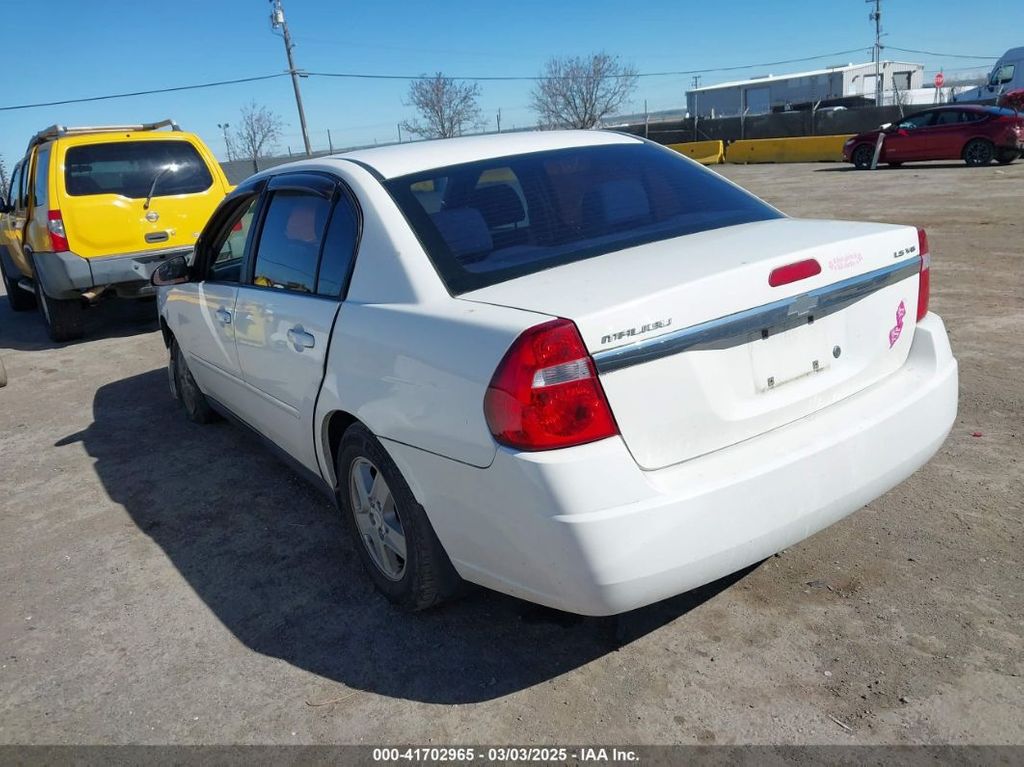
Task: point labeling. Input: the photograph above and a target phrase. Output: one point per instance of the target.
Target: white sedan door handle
(224, 316)
(300, 338)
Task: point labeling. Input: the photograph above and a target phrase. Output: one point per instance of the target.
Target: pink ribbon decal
(894, 334)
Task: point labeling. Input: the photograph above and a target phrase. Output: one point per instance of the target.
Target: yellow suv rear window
(129, 169)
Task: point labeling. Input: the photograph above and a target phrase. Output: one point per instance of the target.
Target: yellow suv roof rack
(58, 131)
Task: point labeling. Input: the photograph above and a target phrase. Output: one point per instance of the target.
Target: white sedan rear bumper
(586, 530)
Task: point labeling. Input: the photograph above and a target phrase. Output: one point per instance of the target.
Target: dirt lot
(164, 582)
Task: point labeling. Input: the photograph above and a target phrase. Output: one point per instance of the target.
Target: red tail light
(924, 284)
(58, 237)
(545, 393)
(800, 270)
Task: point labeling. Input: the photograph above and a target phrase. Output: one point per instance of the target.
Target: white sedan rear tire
(390, 530)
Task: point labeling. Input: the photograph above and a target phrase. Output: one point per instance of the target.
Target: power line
(493, 78)
(109, 96)
(943, 55)
(305, 39)
(535, 78)
(371, 76)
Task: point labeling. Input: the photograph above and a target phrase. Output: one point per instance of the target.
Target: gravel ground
(162, 582)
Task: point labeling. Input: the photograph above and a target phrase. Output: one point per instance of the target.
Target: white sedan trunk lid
(696, 351)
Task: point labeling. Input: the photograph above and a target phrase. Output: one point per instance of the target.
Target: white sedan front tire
(185, 389)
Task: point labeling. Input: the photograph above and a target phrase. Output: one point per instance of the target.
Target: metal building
(832, 85)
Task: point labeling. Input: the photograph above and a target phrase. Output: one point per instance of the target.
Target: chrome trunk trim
(758, 322)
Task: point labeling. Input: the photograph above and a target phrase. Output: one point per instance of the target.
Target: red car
(975, 134)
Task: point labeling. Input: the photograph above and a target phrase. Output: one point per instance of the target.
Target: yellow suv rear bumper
(68, 275)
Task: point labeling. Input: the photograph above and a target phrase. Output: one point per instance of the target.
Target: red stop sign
(939, 80)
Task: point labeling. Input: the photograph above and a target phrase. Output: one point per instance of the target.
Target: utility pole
(499, 120)
(277, 20)
(876, 16)
(695, 83)
(227, 140)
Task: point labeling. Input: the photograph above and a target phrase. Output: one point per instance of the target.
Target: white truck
(1006, 75)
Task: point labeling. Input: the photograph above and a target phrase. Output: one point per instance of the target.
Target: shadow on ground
(112, 318)
(270, 558)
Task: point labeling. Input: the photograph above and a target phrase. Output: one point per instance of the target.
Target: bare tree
(445, 108)
(257, 133)
(5, 178)
(578, 92)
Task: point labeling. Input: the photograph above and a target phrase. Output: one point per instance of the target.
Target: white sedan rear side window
(289, 248)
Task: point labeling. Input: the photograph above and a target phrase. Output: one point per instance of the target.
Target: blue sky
(116, 46)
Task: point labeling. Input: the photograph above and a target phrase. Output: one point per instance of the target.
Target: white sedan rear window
(486, 222)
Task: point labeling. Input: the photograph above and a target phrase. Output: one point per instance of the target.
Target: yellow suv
(93, 211)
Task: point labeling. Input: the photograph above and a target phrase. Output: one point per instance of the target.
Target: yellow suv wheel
(63, 317)
(19, 298)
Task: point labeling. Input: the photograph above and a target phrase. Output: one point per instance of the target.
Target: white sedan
(574, 367)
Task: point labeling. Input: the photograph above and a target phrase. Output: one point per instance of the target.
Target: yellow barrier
(802, 149)
(706, 152)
